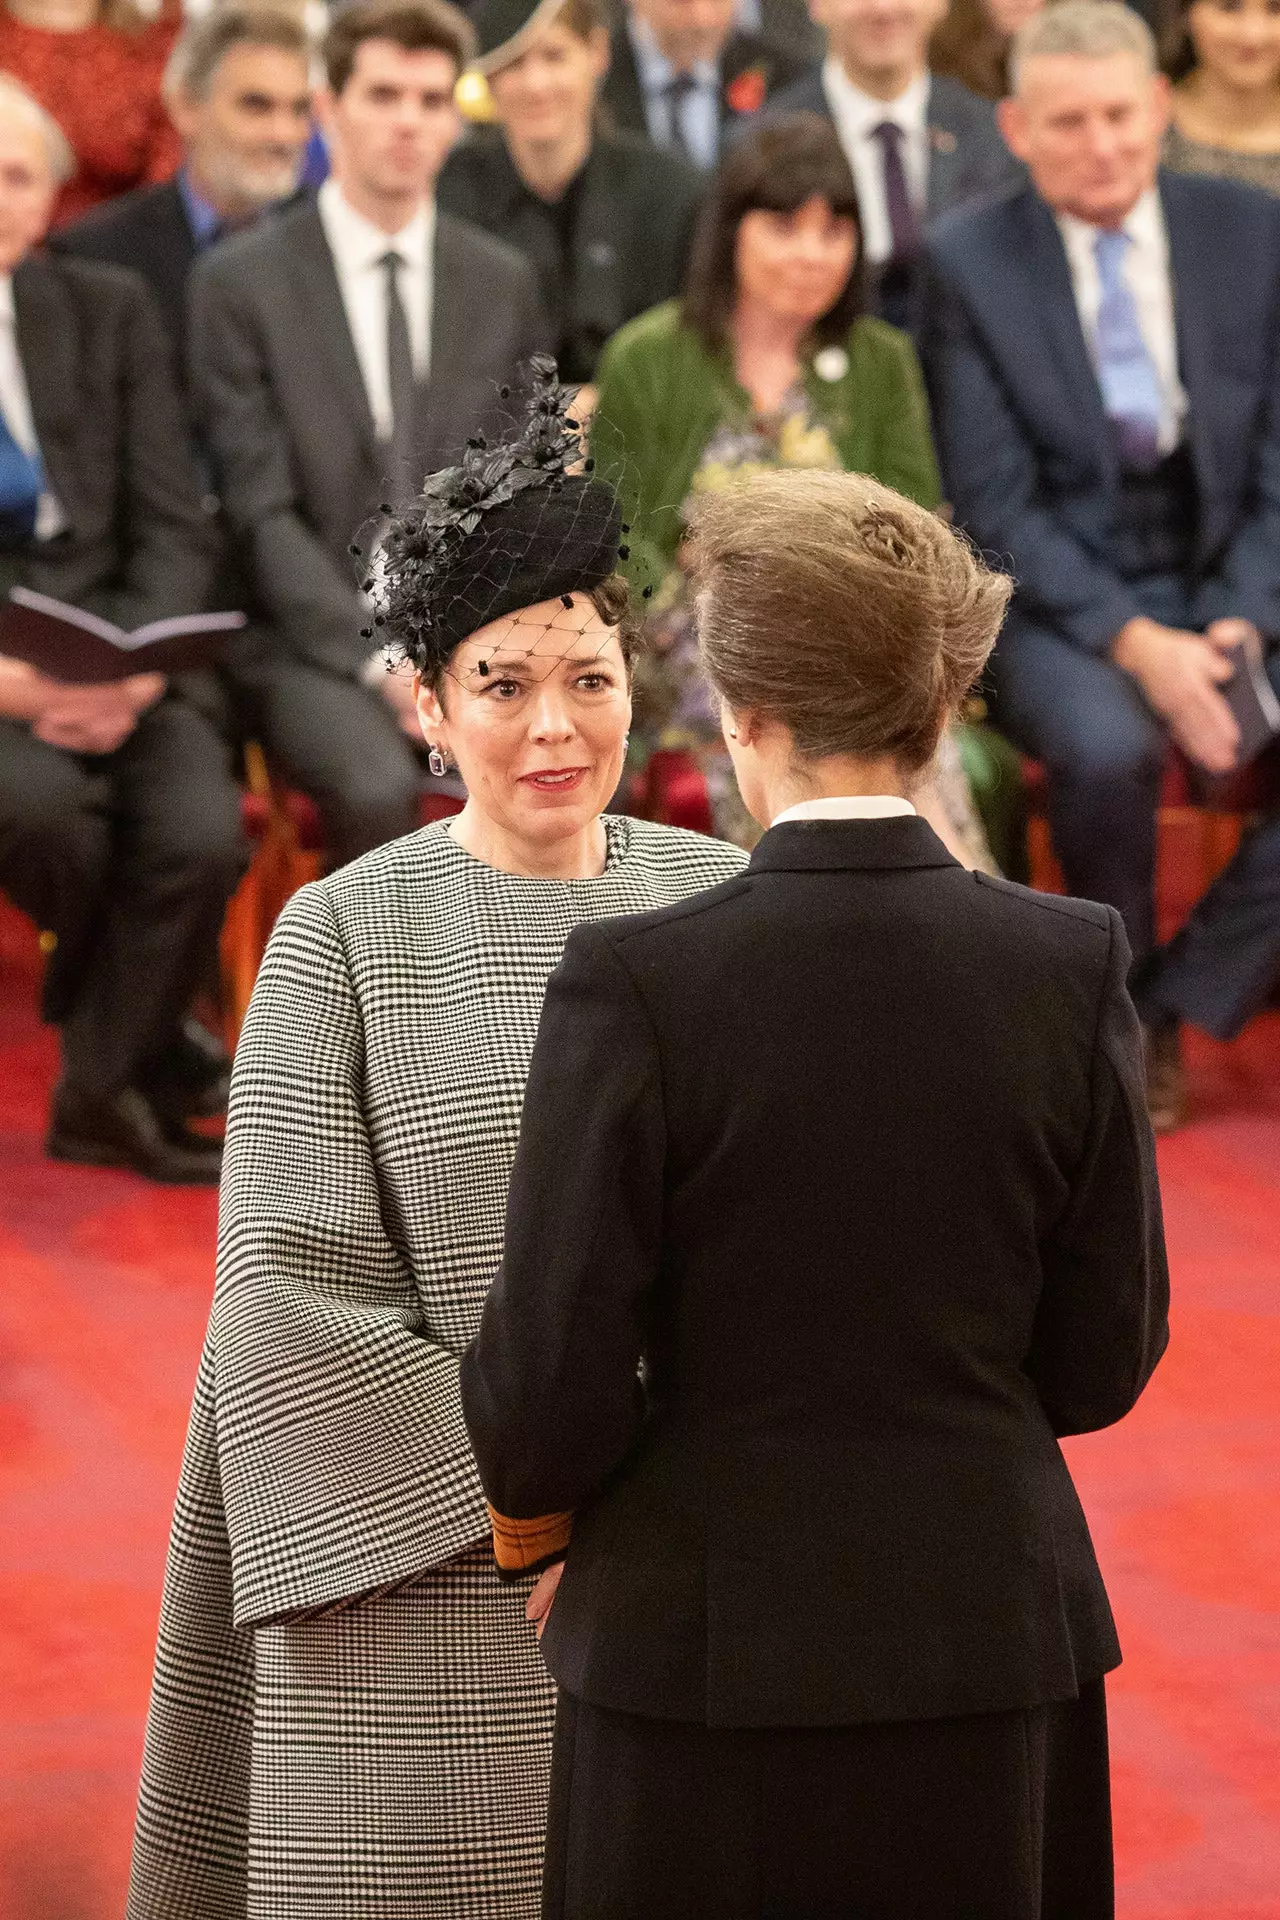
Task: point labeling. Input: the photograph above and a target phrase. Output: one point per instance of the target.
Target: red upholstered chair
(288, 841)
(671, 789)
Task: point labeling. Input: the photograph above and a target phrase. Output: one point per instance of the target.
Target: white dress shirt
(862, 806)
(357, 247)
(15, 403)
(700, 111)
(855, 115)
(1147, 276)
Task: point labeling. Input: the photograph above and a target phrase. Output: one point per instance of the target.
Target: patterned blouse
(102, 87)
(1223, 163)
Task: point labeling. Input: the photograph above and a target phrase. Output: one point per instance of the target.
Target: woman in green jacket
(767, 360)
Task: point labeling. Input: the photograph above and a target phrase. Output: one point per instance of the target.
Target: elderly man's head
(35, 160)
(238, 89)
(1088, 108)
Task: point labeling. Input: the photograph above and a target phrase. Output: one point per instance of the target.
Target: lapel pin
(941, 140)
(831, 364)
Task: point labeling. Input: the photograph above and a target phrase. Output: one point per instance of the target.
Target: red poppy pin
(745, 92)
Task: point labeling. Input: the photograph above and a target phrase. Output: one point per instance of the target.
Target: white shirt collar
(1144, 224)
(857, 112)
(357, 244)
(656, 71)
(862, 806)
(8, 312)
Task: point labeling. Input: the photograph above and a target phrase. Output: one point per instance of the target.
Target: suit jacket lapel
(324, 316)
(1196, 294)
(45, 334)
(944, 155)
(449, 316)
(1050, 276)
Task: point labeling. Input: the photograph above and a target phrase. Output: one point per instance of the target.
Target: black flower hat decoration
(509, 527)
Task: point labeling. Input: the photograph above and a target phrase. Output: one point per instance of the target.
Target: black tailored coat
(635, 207)
(280, 402)
(744, 53)
(852, 1153)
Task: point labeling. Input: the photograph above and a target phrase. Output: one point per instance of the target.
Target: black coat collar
(818, 846)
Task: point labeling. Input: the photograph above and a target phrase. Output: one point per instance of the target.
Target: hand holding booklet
(83, 649)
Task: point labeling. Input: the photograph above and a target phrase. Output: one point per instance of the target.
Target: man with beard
(238, 91)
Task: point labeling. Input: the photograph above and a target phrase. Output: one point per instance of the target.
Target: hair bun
(886, 536)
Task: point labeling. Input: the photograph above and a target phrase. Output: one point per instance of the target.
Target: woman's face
(540, 737)
(547, 95)
(1237, 40)
(795, 265)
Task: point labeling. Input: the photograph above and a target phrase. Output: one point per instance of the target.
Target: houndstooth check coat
(349, 1717)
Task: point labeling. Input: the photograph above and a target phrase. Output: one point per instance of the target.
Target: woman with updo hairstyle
(350, 1717)
(835, 1205)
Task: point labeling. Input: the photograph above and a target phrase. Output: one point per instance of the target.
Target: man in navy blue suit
(1102, 349)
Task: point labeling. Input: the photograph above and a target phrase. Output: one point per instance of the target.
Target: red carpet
(104, 1287)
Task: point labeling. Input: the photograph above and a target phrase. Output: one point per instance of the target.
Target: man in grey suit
(918, 143)
(338, 353)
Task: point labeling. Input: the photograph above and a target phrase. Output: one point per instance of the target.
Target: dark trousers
(1104, 751)
(129, 858)
(338, 742)
(994, 1816)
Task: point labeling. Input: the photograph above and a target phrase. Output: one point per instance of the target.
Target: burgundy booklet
(85, 650)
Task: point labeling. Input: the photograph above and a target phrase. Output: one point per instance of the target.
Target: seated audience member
(604, 218)
(1225, 58)
(919, 144)
(769, 360)
(972, 43)
(119, 816)
(96, 66)
(681, 72)
(337, 353)
(1103, 355)
(239, 90)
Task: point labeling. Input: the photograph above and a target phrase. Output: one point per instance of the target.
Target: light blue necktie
(1126, 372)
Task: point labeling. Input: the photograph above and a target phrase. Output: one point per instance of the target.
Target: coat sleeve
(642, 409)
(313, 599)
(550, 1385)
(1102, 1322)
(342, 1454)
(990, 471)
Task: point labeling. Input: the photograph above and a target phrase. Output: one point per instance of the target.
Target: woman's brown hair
(775, 168)
(848, 613)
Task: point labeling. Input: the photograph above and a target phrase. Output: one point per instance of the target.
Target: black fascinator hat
(508, 527)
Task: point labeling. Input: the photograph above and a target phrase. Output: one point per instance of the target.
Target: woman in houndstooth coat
(350, 1718)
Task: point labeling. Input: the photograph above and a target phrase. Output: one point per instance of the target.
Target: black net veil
(519, 521)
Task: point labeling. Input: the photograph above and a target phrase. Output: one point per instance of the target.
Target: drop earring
(437, 763)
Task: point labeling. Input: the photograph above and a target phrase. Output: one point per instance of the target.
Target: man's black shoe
(125, 1131)
(192, 1078)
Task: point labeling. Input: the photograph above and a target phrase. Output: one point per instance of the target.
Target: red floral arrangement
(745, 92)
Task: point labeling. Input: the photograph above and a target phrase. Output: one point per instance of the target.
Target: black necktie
(399, 367)
(677, 91)
(904, 227)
